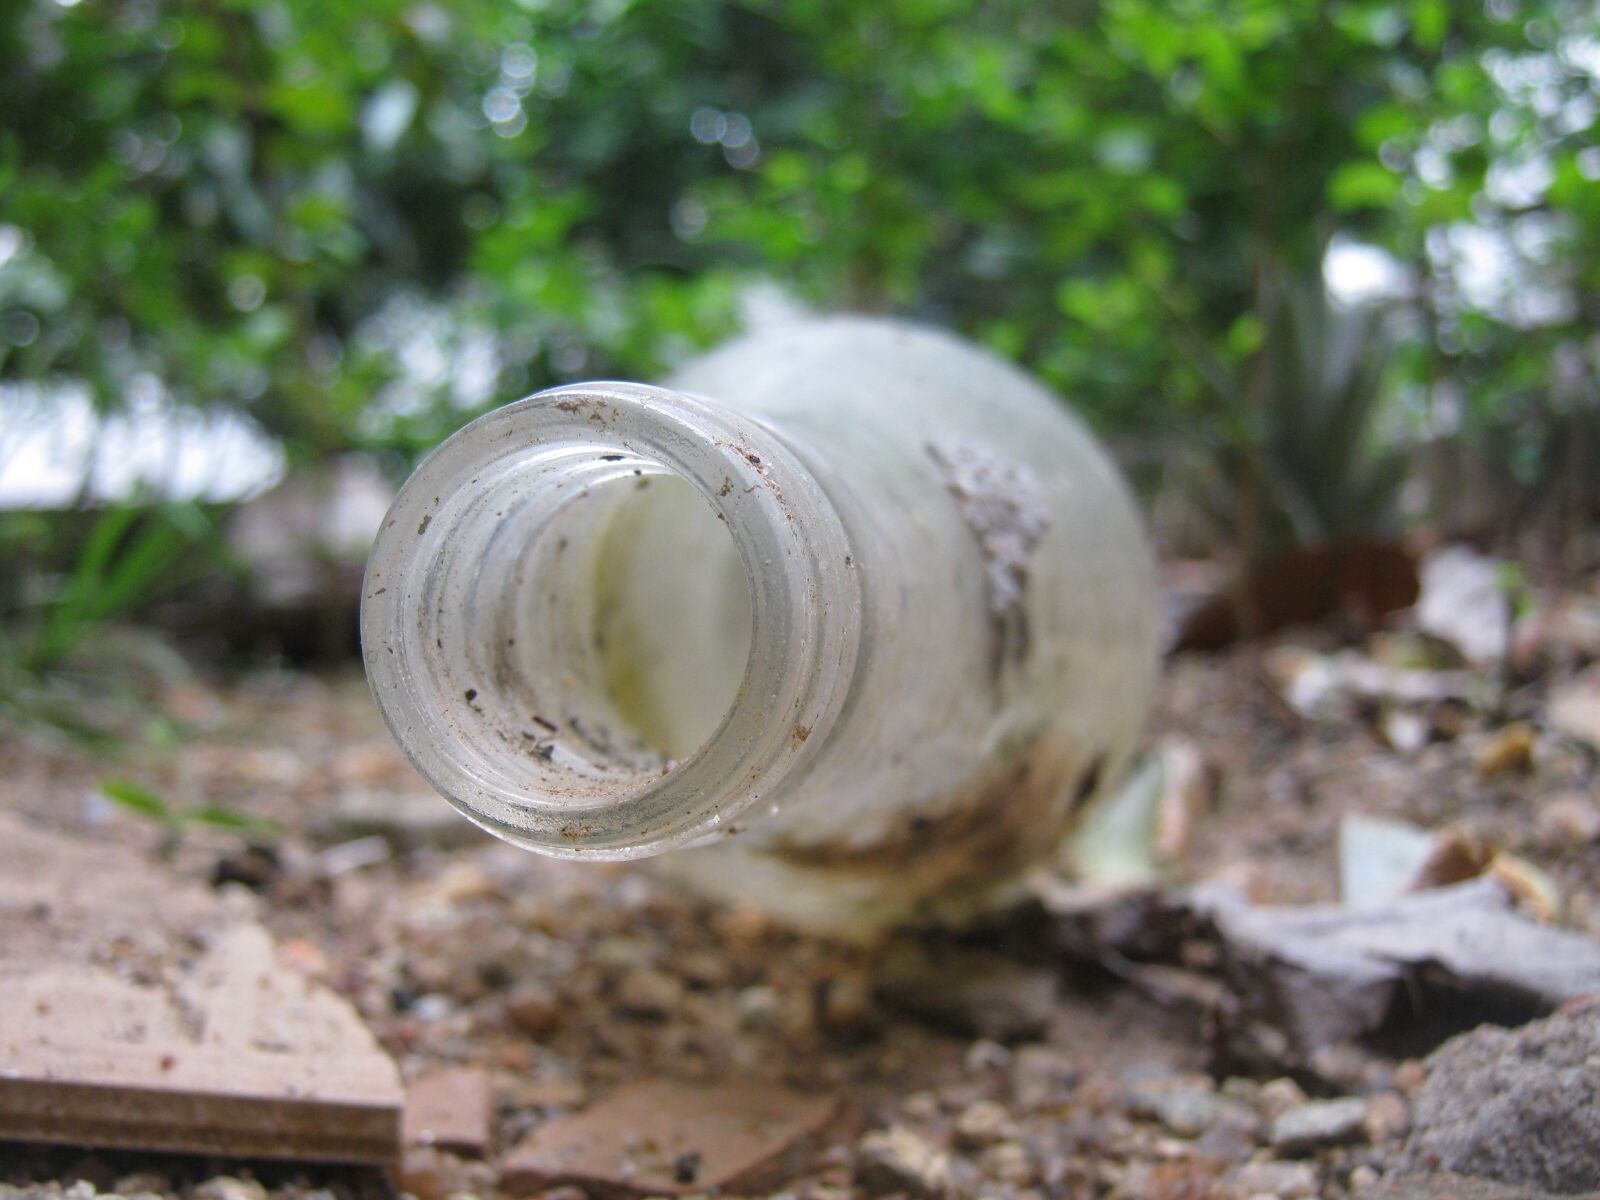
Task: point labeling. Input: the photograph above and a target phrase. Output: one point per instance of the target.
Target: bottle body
(932, 647)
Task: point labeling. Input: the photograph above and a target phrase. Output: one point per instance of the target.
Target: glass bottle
(851, 615)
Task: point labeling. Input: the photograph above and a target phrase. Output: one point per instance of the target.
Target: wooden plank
(141, 1012)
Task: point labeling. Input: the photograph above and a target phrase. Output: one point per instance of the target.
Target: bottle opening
(593, 616)
(606, 619)
(624, 618)
(672, 614)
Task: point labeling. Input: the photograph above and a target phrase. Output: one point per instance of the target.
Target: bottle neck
(484, 617)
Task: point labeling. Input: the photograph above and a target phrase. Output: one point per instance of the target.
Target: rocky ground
(1046, 1056)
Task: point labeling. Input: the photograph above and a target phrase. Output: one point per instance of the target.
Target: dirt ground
(1064, 1079)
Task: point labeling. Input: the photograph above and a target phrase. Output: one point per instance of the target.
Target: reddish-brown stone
(451, 1109)
(656, 1137)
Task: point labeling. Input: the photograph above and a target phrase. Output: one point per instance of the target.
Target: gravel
(1317, 1123)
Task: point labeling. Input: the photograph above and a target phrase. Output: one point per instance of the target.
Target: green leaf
(1430, 21)
(1358, 185)
(72, 612)
(314, 107)
(227, 818)
(1244, 336)
(136, 798)
(1385, 122)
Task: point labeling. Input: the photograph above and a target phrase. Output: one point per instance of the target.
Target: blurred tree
(1118, 192)
(363, 222)
(281, 207)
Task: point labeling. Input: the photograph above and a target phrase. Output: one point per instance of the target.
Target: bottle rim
(425, 574)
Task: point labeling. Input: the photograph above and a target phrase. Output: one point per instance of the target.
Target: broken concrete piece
(1325, 973)
(1574, 709)
(1189, 785)
(139, 1011)
(1318, 686)
(656, 1137)
(1514, 1105)
(1379, 858)
(1114, 845)
(1447, 1186)
(1464, 602)
(451, 1109)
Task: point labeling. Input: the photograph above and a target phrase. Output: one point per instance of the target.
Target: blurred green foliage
(132, 554)
(63, 667)
(362, 222)
(1314, 474)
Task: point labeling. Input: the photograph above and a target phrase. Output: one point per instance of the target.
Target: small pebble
(1187, 1111)
(1410, 1075)
(432, 1007)
(650, 992)
(426, 1173)
(984, 1055)
(534, 1009)
(983, 1124)
(230, 1187)
(799, 1017)
(1041, 1075)
(1229, 1141)
(1568, 821)
(759, 1008)
(921, 1106)
(1278, 1095)
(1406, 732)
(95, 1171)
(702, 968)
(1511, 749)
(1008, 1162)
(463, 882)
(899, 1160)
(847, 1004)
(1237, 1087)
(1318, 1123)
(1388, 1117)
(1348, 1067)
(1284, 1180)
(142, 1183)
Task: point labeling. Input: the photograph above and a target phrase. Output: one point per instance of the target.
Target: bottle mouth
(478, 630)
